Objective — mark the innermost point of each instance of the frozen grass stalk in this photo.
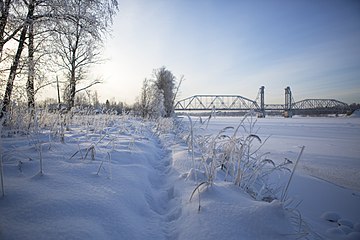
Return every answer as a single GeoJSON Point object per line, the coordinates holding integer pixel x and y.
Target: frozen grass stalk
{"type": "Point", "coordinates": [41, 159]}
{"type": "Point", "coordinates": [284, 194]}
{"type": "Point", "coordinates": [62, 129]}
{"type": "Point", "coordinates": [100, 167]}
{"type": "Point", "coordinates": [110, 172]}
{"type": "Point", "coordinates": [38, 143]}
{"type": "Point", "coordinates": [197, 189]}
{"type": "Point", "coordinates": [192, 146]}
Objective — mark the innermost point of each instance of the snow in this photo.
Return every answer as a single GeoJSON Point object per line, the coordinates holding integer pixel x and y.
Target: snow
{"type": "Point", "coordinates": [140, 181]}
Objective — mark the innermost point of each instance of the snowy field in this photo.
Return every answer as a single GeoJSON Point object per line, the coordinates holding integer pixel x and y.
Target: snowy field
{"type": "Point", "coordinates": [122, 178]}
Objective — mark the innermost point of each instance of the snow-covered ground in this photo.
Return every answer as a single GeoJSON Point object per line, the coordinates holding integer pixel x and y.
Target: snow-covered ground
{"type": "Point", "coordinates": [121, 178]}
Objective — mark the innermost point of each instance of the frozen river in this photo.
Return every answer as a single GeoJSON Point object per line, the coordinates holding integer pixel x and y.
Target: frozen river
{"type": "Point", "coordinates": [332, 145]}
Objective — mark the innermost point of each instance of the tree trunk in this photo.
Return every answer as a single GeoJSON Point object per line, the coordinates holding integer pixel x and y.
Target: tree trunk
{"type": "Point", "coordinates": [72, 83]}
{"type": "Point", "coordinates": [5, 6]}
{"type": "Point", "coordinates": [30, 91]}
{"type": "Point", "coordinates": [72, 89]}
{"type": "Point", "coordinates": [58, 91]}
{"type": "Point", "coordinates": [15, 64]}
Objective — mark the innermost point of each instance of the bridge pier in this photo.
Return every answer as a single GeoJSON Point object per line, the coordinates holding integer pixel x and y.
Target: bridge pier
{"type": "Point", "coordinates": [262, 114]}
{"type": "Point", "coordinates": [288, 112]}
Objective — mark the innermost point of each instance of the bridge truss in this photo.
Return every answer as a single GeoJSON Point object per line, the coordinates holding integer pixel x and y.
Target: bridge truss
{"type": "Point", "coordinates": [320, 106]}
{"type": "Point", "coordinates": [240, 103]}
{"type": "Point", "coordinates": [216, 102]}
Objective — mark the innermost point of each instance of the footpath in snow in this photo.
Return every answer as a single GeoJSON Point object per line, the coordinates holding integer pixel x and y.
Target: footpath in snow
{"type": "Point", "coordinates": [110, 184]}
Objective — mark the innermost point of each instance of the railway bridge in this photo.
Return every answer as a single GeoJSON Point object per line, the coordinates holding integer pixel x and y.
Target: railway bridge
{"type": "Point", "coordinates": [240, 103]}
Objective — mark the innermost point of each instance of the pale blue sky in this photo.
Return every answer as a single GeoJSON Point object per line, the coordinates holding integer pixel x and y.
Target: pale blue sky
{"type": "Point", "coordinates": [234, 47]}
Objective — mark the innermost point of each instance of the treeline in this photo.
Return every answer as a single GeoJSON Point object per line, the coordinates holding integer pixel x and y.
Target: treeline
{"type": "Point", "coordinates": [354, 106]}
{"type": "Point", "coordinates": [87, 103]}
{"type": "Point", "coordinates": [157, 99]}
{"type": "Point", "coordinates": [44, 40]}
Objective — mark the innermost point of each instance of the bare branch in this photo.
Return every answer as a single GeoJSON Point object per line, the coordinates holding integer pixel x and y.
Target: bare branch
{"type": "Point", "coordinates": [88, 86]}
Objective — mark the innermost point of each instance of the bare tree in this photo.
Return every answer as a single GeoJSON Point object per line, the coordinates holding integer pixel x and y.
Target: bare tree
{"type": "Point", "coordinates": [78, 41]}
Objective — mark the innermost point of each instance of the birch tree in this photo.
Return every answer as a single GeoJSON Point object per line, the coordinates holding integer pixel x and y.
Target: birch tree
{"type": "Point", "coordinates": [38, 43]}
{"type": "Point", "coordinates": [78, 41]}
{"type": "Point", "coordinates": [16, 60]}
{"type": "Point", "coordinates": [9, 27]}
{"type": "Point", "coordinates": [24, 14]}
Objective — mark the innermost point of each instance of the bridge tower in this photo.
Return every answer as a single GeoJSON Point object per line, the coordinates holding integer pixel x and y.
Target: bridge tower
{"type": "Point", "coordinates": [262, 102]}
{"type": "Point", "coordinates": [288, 103]}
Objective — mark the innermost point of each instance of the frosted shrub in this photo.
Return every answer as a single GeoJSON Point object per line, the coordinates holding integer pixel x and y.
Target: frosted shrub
{"type": "Point", "coordinates": [235, 152]}
{"type": "Point", "coordinates": [211, 154]}
{"type": "Point", "coordinates": [16, 121]}
{"type": "Point", "coordinates": [164, 125]}
{"type": "Point", "coordinates": [99, 131]}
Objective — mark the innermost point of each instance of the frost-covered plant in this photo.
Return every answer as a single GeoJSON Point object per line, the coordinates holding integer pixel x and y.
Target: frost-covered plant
{"type": "Point", "coordinates": [90, 150]}
{"type": "Point", "coordinates": [108, 156]}
{"type": "Point", "coordinates": [38, 143]}
{"type": "Point", "coordinates": [164, 125]}
{"type": "Point", "coordinates": [191, 146]}
{"type": "Point", "coordinates": [251, 170]}
{"type": "Point", "coordinates": [237, 155]}
{"type": "Point", "coordinates": [296, 219]}
{"type": "Point", "coordinates": [56, 124]}
{"type": "Point", "coordinates": [100, 148]}
{"type": "Point", "coordinates": [62, 127]}
{"type": "Point", "coordinates": [210, 154]}
{"type": "Point", "coordinates": [198, 189]}
{"type": "Point", "coordinates": [285, 192]}
{"type": "Point", "coordinates": [16, 121]}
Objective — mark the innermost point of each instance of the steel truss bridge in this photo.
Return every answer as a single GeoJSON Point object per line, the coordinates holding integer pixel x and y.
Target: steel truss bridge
{"type": "Point", "coordinates": [240, 103]}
